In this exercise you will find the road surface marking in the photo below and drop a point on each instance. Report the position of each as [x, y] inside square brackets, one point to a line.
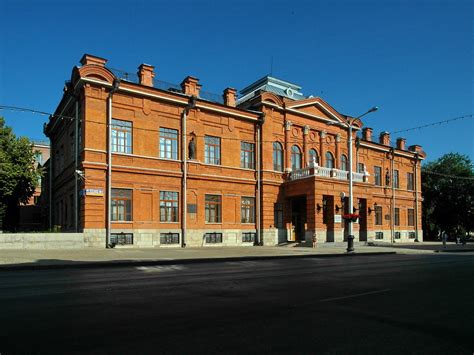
[159, 268]
[352, 296]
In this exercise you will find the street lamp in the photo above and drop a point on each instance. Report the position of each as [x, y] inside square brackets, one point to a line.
[350, 237]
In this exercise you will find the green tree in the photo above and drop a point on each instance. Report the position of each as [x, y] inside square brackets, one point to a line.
[18, 175]
[448, 190]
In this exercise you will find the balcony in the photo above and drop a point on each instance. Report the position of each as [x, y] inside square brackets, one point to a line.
[328, 173]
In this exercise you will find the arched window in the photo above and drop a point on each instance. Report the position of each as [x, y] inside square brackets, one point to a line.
[295, 158]
[329, 160]
[344, 163]
[277, 156]
[313, 153]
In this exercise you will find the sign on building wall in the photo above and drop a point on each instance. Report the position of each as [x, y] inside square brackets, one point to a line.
[337, 218]
[92, 192]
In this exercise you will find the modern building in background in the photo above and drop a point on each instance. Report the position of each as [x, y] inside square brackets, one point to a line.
[137, 161]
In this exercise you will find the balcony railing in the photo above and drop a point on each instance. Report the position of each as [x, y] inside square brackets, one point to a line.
[329, 173]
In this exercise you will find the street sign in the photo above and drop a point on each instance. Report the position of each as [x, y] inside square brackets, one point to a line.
[92, 192]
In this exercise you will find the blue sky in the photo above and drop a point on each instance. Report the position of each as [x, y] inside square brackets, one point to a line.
[413, 59]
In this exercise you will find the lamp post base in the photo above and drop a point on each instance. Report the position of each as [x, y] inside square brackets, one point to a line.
[350, 243]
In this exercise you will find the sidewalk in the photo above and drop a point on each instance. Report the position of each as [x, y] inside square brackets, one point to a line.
[78, 258]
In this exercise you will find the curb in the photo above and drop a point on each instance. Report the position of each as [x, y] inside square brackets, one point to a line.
[454, 251]
[124, 263]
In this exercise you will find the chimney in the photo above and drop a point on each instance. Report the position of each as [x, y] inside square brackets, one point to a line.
[88, 59]
[367, 134]
[230, 97]
[146, 74]
[401, 143]
[384, 138]
[190, 86]
[415, 148]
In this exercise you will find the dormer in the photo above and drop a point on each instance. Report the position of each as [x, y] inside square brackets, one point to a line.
[270, 84]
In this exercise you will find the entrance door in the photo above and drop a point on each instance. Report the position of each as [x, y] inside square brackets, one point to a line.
[345, 210]
[298, 217]
[362, 220]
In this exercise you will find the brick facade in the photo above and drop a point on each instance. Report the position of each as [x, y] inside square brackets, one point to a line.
[230, 199]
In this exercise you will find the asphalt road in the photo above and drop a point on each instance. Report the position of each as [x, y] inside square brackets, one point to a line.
[365, 305]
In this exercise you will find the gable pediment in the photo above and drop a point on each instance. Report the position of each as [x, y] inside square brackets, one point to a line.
[318, 108]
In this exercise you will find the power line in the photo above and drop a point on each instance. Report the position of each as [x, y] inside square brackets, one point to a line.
[342, 139]
[447, 175]
[22, 109]
[434, 123]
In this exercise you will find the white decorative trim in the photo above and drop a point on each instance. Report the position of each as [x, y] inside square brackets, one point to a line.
[165, 98]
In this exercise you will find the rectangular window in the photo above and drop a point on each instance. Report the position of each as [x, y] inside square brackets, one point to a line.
[121, 238]
[378, 215]
[248, 237]
[397, 235]
[360, 168]
[396, 181]
[378, 175]
[410, 182]
[213, 208]
[278, 215]
[247, 210]
[411, 217]
[121, 205]
[79, 140]
[169, 238]
[397, 216]
[168, 206]
[247, 155]
[213, 238]
[411, 235]
[212, 150]
[168, 143]
[121, 136]
[378, 235]
[72, 146]
[39, 157]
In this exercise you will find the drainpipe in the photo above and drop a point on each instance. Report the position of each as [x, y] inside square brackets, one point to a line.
[108, 216]
[392, 153]
[76, 150]
[50, 183]
[191, 104]
[259, 239]
[416, 198]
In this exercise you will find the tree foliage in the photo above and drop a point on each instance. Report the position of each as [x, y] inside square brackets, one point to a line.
[18, 175]
[448, 200]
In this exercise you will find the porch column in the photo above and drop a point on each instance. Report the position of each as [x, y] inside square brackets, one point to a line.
[288, 125]
[337, 163]
[322, 150]
[305, 146]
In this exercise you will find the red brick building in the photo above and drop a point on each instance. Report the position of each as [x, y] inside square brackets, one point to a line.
[188, 167]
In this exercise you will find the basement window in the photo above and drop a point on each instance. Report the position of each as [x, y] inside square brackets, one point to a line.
[378, 235]
[169, 238]
[248, 237]
[213, 238]
[121, 238]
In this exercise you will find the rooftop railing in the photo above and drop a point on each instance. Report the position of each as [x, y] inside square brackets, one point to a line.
[164, 85]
